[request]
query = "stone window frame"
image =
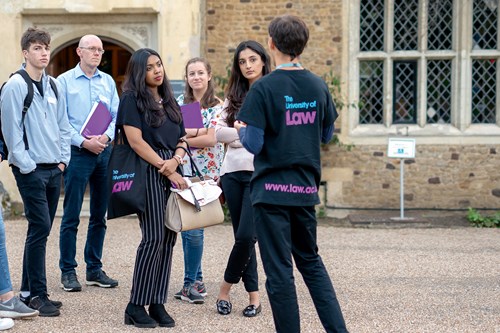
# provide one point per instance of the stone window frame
(461, 129)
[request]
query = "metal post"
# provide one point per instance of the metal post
(402, 188)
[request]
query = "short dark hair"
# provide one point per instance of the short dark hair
(290, 35)
(34, 35)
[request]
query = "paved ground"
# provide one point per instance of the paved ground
(409, 279)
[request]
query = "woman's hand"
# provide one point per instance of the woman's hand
(239, 124)
(168, 167)
(177, 181)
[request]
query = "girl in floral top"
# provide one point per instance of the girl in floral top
(209, 158)
(207, 154)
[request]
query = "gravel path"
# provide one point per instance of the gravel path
(387, 280)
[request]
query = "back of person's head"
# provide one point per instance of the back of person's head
(34, 35)
(209, 99)
(135, 83)
(289, 34)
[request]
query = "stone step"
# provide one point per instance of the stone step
(85, 207)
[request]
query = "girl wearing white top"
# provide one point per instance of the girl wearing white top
(250, 63)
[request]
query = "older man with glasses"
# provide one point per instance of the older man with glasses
(84, 87)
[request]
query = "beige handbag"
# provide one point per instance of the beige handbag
(196, 207)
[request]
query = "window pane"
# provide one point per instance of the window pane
(406, 25)
(440, 24)
(439, 91)
(405, 92)
(371, 25)
(485, 18)
(371, 92)
(484, 88)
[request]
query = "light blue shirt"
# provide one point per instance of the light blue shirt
(46, 122)
(81, 93)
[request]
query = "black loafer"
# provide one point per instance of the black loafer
(224, 307)
(252, 310)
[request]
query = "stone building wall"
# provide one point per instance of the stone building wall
(440, 176)
(229, 22)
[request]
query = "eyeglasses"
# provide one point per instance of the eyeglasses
(93, 49)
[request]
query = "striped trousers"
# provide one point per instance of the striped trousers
(154, 255)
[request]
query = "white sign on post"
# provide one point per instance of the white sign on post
(401, 148)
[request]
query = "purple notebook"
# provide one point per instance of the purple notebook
(97, 121)
(191, 115)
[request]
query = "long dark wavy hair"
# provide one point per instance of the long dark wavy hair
(238, 85)
(155, 114)
(209, 99)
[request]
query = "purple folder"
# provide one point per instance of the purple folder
(191, 115)
(97, 121)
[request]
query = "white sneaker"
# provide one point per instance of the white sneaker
(6, 323)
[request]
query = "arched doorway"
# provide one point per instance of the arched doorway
(114, 60)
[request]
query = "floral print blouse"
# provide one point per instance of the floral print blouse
(209, 159)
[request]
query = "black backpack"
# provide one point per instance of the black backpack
(27, 103)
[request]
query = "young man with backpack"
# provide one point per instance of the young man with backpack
(38, 142)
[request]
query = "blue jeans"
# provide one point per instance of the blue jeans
(192, 245)
(5, 283)
(40, 192)
(85, 168)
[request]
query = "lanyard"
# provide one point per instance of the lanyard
(289, 64)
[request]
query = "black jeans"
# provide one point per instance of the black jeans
(283, 232)
(242, 262)
(40, 192)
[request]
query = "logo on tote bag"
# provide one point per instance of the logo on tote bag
(121, 186)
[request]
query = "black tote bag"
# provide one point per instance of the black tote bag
(126, 180)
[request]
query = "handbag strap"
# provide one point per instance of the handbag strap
(194, 166)
(119, 136)
(196, 202)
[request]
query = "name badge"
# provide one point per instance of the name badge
(52, 100)
(104, 99)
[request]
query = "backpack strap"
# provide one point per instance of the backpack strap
(27, 102)
(29, 99)
(54, 87)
